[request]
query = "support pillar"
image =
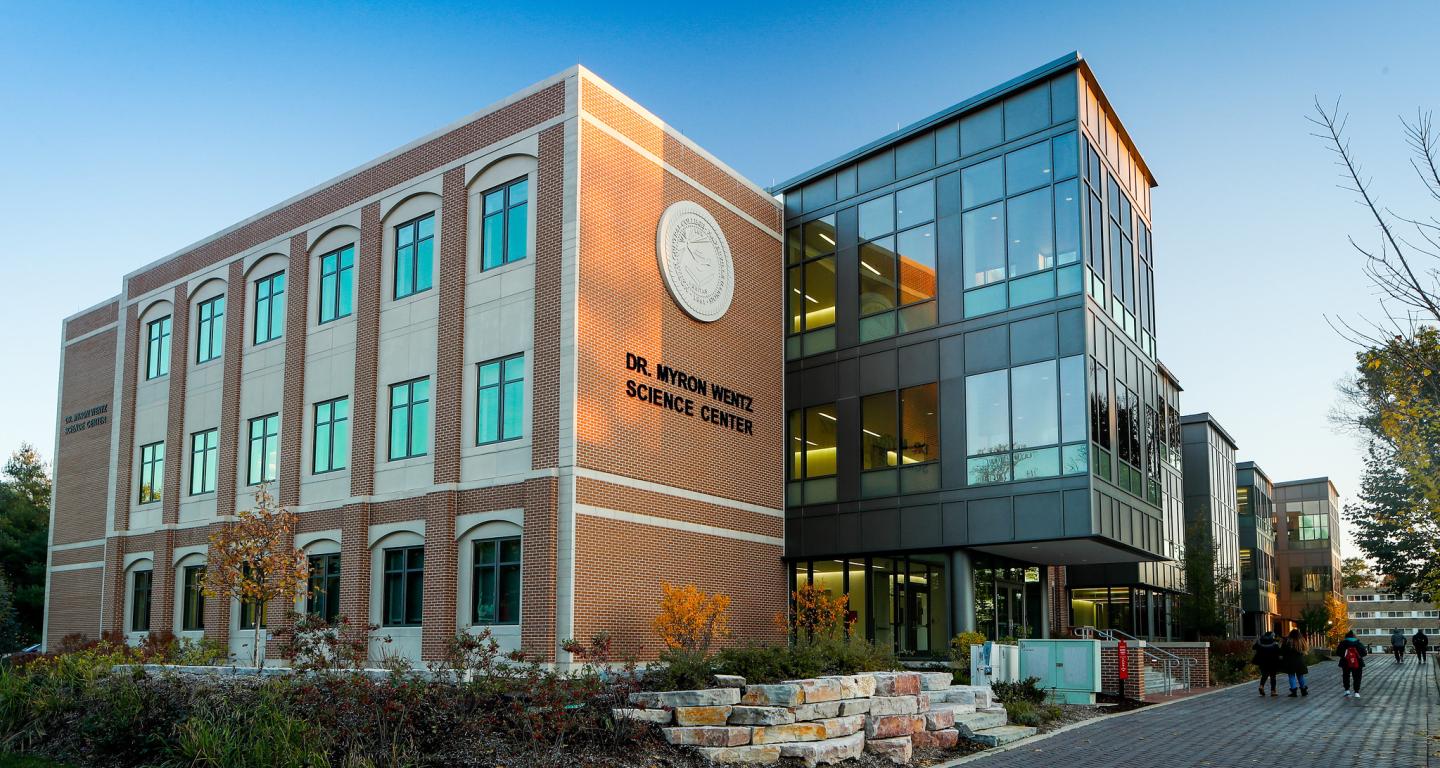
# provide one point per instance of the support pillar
(1044, 602)
(962, 593)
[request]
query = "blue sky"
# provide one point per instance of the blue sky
(124, 136)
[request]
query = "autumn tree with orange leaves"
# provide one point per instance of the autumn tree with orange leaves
(253, 559)
(691, 619)
(815, 612)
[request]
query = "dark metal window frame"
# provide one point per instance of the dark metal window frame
(322, 595)
(268, 302)
(268, 440)
(208, 344)
(405, 573)
(504, 214)
(140, 594)
(328, 425)
(192, 613)
(499, 387)
(414, 260)
(157, 343)
(409, 408)
(152, 465)
(477, 568)
(204, 452)
(338, 272)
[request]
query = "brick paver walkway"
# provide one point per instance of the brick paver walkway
(1391, 726)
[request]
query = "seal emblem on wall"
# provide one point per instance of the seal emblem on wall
(695, 261)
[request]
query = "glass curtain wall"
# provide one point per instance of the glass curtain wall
(900, 602)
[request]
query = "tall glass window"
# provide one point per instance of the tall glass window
(269, 308)
(337, 283)
(192, 617)
(897, 261)
(500, 404)
(414, 255)
(987, 427)
(984, 245)
(210, 332)
(332, 436)
(810, 303)
(157, 348)
(264, 462)
(410, 419)
(252, 612)
(204, 458)
(505, 228)
(140, 600)
(920, 424)
(152, 472)
(322, 593)
(404, 590)
(1031, 246)
(879, 439)
(496, 581)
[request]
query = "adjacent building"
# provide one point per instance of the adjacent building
(973, 396)
(1208, 453)
(1376, 613)
(511, 376)
(1255, 509)
(1307, 545)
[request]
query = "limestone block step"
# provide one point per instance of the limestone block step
(1002, 735)
(978, 721)
(750, 754)
(826, 752)
(899, 750)
(710, 697)
(955, 709)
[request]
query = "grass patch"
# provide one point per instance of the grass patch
(8, 760)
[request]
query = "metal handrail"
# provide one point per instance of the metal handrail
(1166, 659)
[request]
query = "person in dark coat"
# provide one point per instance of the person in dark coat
(1351, 653)
(1292, 663)
(1267, 658)
(1397, 646)
(1421, 643)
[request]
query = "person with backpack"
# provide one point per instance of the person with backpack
(1267, 658)
(1421, 643)
(1292, 663)
(1351, 653)
(1397, 646)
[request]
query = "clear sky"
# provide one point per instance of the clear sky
(127, 134)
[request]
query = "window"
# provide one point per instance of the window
(983, 245)
(414, 254)
(897, 261)
(251, 611)
(204, 453)
(409, 419)
(264, 449)
(1031, 246)
(152, 472)
(270, 308)
(879, 438)
(332, 436)
(404, 587)
(1310, 578)
(337, 276)
(920, 424)
(812, 442)
(810, 252)
(1308, 523)
(987, 427)
(210, 334)
(505, 229)
(322, 594)
(192, 614)
(500, 404)
(496, 583)
(140, 601)
(157, 350)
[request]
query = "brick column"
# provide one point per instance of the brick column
(1060, 624)
(292, 409)
(217, 609)
(176, 453)
(441, 576)
(549, 199)
(125, 460)
(450, 338)
(355, 563)
(162, 581)
(538, 569)
(114, 604)
(367, 346)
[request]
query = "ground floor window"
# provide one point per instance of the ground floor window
(404, 589)
(192, 617)
(902, 602)
(140, 601)
(1145, 613)
(322, 594)
(496, 585)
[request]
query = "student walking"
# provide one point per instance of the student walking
(1292, 663)
(1421, 643)
(1267, 658)
(1397, 646)
(1351, 653)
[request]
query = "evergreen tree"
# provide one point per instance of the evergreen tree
(1392, 524)
(24, 533)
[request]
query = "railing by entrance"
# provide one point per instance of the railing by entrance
(1167, 662)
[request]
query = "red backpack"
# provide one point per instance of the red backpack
(1350, 659)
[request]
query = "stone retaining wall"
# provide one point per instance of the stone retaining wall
(819, 720)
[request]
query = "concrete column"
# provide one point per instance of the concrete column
(962, 593)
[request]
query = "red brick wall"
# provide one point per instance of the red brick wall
(82, 465)
(175, 443)
(367, 351)
(1200, 653)
(98, 317)
(229, 452)
(450, 351)
(1110, 669)
(545, 369)
(74, 604)
(129, 371)
(292, 414)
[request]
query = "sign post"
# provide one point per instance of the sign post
(1122, 658)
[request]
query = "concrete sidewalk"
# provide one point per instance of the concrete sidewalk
(1393, 725)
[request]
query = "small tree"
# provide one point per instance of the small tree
(816, 613)
(691, 619)
(254, 560)
(1337, 619)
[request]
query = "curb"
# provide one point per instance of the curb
(1074, 726)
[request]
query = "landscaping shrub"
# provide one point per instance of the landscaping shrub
(1027, 691)
(823, 656)
(1023, 713)
(1230, 661)
(960, 654)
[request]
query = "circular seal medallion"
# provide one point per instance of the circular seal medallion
(695, 261)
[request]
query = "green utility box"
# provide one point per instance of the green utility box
(1068, 669)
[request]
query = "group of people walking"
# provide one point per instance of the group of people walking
(1420, 642)
(1286, 656)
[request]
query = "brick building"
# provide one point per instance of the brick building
(466, 369)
